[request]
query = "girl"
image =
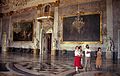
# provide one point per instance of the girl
(81, 56)
(77, 59)
(99, 58)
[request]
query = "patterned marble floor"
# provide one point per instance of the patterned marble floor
(14, 64)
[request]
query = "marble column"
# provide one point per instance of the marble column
(109, 11)
(40, 38)
(109, 18)
(55, 32)
(4, 46)
(9, 32)
(37, 43)
(0, 32)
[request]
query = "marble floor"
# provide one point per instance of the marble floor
(23, 64)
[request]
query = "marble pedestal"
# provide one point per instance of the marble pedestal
(4, 45)
(108, 55)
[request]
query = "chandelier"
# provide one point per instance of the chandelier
(78, 23)
(17, 28)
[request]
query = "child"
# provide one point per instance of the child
(81, 56)
(99, 58)
(77, 59)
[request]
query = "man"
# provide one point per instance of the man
(87, 58)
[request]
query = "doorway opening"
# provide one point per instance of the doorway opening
(49, 39)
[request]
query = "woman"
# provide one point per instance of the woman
(99, 58)
(77, 59)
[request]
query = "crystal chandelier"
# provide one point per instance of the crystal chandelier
(78, 23)
(17, 28)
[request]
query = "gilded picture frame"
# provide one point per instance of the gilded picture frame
(23, 31)
(91, 32)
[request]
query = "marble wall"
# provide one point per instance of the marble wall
(116, 25)
(0, 31)
(71, 10)
(7, 26)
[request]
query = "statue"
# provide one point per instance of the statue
(110, 44)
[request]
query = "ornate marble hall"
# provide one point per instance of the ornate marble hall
(38, 37)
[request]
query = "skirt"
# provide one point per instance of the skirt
(98, 61)
(77, 61)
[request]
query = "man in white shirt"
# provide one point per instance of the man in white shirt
(87, 57)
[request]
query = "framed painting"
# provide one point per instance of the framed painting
(84, 28)
(23, 31)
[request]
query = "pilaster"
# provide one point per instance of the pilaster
(55, 32)
(109, 14)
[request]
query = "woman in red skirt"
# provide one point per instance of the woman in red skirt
(77, 59)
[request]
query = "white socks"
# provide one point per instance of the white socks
(76, 69)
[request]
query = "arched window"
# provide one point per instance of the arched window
(47, 8)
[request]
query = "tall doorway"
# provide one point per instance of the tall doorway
(49, 41)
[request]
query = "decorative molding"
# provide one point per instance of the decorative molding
(13, 5)
(52, 4)
(17, 12)
(65, 3)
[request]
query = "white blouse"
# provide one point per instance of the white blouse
(77, 53)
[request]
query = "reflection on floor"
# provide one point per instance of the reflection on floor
(14, 64)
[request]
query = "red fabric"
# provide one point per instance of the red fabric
(88, 52)
(77, 61)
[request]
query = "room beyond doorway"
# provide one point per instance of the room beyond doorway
(49, 39)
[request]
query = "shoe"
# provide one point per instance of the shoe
(100, 69)
(86, 69)
(76, 72)
(81, 67)
(90, 69)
